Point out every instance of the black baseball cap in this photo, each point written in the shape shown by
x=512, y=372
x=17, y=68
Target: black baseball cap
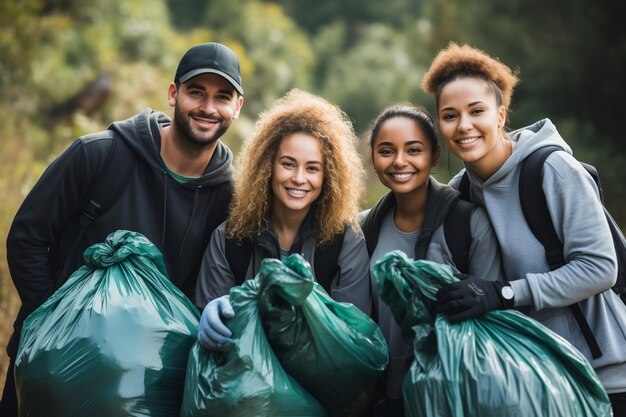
x=213, y=58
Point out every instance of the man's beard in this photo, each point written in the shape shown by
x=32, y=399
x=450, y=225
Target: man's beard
x=194, y=138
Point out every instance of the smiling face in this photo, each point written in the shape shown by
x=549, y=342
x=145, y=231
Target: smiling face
x=470, y=120
x=403, y=155
x=297, y=174
x=204, y=108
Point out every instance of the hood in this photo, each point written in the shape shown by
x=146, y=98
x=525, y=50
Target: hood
x=525, y=141
x=142, y=134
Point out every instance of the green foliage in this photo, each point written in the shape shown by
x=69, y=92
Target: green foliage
x=18, y=172
x=18, y=47
x=279, y=52
x=354, y=14
x=374, y=73
x=185, y=15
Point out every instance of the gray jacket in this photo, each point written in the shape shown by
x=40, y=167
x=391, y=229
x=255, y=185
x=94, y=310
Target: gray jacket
x=350, y=285
x=590, y=268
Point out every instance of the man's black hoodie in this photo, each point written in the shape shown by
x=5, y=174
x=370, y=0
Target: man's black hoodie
x=45, y=243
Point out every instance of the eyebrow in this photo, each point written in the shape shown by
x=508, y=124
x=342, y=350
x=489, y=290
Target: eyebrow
x=473, y=103
x=194, y=85
x=291, y=158
x=226, y=90
x=410, y=142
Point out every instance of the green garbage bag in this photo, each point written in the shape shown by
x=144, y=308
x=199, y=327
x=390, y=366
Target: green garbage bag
x=245, y=378
x=334, y=350
x=112, y=341
x=502, y=363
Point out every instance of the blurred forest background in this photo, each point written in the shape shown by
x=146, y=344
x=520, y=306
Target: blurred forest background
x=68, y=67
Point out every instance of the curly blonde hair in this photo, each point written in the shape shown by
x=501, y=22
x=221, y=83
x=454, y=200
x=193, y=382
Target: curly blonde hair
x=298, y=112
x=457, y=61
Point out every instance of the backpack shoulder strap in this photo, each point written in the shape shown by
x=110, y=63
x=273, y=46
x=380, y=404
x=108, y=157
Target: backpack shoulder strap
x=537, y=215
x=371, y=224
x=112, y=178
x=596, y=178
x=238, y=254
x=457, y=230
x=620, y=251
x=535, y=207
x=464, y=187
x=326, y=264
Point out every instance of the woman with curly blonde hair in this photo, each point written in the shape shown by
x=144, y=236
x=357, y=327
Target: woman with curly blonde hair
x=569, y=291
x=297, y=188
x=298, y=112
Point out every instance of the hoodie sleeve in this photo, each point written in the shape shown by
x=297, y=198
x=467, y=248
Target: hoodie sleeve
x=352, y=284
x=58, y=196
x=579, y=220
x=215, y=277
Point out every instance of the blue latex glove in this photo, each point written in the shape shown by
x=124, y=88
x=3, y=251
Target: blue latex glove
x=212, y=332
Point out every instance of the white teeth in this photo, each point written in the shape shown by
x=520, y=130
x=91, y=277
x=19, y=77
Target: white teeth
x=468, y=140
x=296, y=192
x=402, y=176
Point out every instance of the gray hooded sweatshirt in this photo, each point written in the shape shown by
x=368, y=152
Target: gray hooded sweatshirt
x=590, y=270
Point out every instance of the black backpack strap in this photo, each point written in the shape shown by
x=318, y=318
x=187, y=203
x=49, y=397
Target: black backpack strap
x=111, y=181
x=537, y=215
x=620, y=250
x=457, y=230
x=371, y=224
x=464, y=187
x=596, y=178
x=326, y=263
x=238, y=254
x=535, y=207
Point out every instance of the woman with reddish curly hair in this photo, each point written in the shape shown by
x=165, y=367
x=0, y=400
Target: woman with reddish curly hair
x=297, y=188
x=473, y=92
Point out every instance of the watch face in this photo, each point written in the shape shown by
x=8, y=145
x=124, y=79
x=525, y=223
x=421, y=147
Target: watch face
x=507, y=292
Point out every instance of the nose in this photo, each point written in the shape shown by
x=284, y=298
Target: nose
x=464, y=123
x=400, y=159
x=298, y=176
x=208, y=106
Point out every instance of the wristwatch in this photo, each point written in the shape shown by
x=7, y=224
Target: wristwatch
x=508, y=295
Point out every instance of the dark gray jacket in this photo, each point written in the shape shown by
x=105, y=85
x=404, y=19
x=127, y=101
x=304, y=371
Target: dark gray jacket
x=351, y=283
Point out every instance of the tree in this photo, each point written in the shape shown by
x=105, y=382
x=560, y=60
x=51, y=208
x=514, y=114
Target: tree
x=374, y=73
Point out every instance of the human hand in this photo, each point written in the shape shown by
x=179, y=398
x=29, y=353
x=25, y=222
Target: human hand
x=212, y=332
x=472, y=297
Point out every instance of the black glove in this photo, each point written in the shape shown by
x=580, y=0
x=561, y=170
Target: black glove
x=472, y=297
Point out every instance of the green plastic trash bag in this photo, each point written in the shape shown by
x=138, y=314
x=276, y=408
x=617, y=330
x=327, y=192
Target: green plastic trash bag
x=334, y=350
x=501, y=364
x=112, y=341
x=245, y=378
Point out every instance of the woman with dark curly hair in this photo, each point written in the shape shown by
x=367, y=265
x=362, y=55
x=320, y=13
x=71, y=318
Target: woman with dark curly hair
x=473, y=92
x=297, y=188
